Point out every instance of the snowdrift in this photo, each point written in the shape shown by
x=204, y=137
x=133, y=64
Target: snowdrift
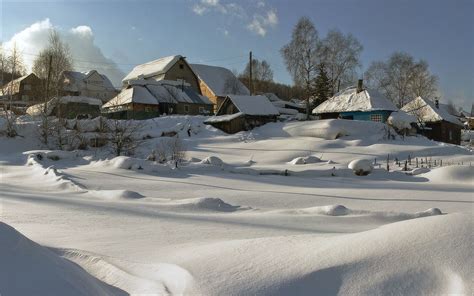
x=452, y=174
x=29, y=269
x=367, y=263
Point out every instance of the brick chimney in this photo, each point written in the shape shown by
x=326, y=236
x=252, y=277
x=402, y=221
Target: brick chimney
x=360, y=85
x=437, y=103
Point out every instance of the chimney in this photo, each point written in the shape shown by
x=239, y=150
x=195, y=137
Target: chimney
x=437, y=104
x=360, y=85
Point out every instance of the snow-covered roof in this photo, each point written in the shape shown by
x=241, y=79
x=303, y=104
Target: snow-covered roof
x=223, y=118
x=37, y=109
x=220, y=80
x=153, y=68
x=279, y=103
x=156, y=92
x=134, y=94
x=427, y=111
x=253, y=105
x=349, y=100
x=17, y=80
x=77, y=80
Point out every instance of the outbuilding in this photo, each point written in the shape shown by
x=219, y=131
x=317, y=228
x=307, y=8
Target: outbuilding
x=243, y=113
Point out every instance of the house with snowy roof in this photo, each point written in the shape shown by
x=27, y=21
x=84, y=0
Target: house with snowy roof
x=69, y=107
x=243, y=113
x=218, y=82
x=144, y=99
x=285, y=107
x=435, y=121
x=23, y=91
x=88, y=84
x=356, y=103
x=171, y=68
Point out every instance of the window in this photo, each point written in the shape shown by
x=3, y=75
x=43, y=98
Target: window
x=450, y=135
x=24, y=98
x=27, y=87
x=376, y=117
x=186, y=108
x=181, y=66
x=147, y=109
x=202, y=110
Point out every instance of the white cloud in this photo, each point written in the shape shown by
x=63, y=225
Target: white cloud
x=263, y=19
x=85, y=53
x=261, y=23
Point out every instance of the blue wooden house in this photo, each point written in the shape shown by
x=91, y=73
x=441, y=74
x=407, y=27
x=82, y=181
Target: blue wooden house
x=356, y=103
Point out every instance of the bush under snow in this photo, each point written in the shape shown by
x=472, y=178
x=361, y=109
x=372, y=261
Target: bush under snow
x=361, y=167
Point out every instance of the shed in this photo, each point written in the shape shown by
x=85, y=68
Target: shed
x=68, y=107
x=242, y=113
x=356, y=103
x=435, y=121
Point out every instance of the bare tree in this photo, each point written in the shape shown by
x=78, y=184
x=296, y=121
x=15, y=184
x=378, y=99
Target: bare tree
x=61, y=57
x=262, y=75
x=170, y=149
x=401, y=78
x=340, y=55
x=302, y=57
x=124, y=136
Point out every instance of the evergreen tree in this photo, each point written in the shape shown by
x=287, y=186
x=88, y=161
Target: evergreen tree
x=322, y=86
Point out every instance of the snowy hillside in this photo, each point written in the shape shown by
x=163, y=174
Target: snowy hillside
x=274, y=211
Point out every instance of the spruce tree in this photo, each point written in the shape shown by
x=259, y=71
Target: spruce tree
x=322, y=86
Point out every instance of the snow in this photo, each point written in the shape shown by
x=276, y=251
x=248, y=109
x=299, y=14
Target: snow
x=305, y=160
x=361, y=167
x=401, y=120
x=220, y=80
x=349, y=100
x=245, y=221
x=38, y=109
x=427, y=112
x=134, y=94
x=152, y=68
x=224, y=118
x=30, y=269
x=253, y=105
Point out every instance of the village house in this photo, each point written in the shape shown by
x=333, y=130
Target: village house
x=144, y=99
x=218, y=82
x=69, y=107
x=22, y=92
x=172, y=68
x=435, y=121
x=285, y=107
x=243, y=113
x=89, y=84
x=356, y=103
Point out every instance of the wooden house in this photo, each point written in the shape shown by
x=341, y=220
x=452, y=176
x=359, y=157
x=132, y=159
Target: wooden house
x=68, y=107
x=243, y=113
x=435, y=121
x=356, y=103
x=144, y=99
x=218, y=82
x=89, y=84
x=171, y=68
x=22, y=92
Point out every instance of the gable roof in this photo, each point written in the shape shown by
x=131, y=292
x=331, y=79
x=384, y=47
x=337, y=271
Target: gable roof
x=252, y=105
x=427, y=111
x=17, y=80
x=349, y=100
x=135, y=94
x=77, y=80
x=153, y=68
x=220, y=80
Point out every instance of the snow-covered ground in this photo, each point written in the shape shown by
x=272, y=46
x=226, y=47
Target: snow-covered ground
x=275, y=211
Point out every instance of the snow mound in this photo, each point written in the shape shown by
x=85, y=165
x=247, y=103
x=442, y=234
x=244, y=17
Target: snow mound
x=401, y=120
x=116, y=194
x=305, y=160
x=331, y=129
x=205, y=203
x=30, y=269
x=212, y=160
x=452, y=174
x=429, y=212
x=361, y=167
x=419, y=171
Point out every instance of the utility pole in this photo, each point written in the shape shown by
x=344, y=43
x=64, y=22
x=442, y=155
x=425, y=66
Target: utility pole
x=250, y=72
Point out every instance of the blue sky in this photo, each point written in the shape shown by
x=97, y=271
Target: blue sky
x=222, y=32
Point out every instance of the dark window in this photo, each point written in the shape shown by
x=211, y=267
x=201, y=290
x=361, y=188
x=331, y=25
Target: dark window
x=186, y=108
x=181, y=66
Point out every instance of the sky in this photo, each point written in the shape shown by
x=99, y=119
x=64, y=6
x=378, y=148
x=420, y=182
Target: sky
x=112, y=36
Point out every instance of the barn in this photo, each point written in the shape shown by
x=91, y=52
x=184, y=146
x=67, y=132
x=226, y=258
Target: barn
x=435, y=121
x=243, y=113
